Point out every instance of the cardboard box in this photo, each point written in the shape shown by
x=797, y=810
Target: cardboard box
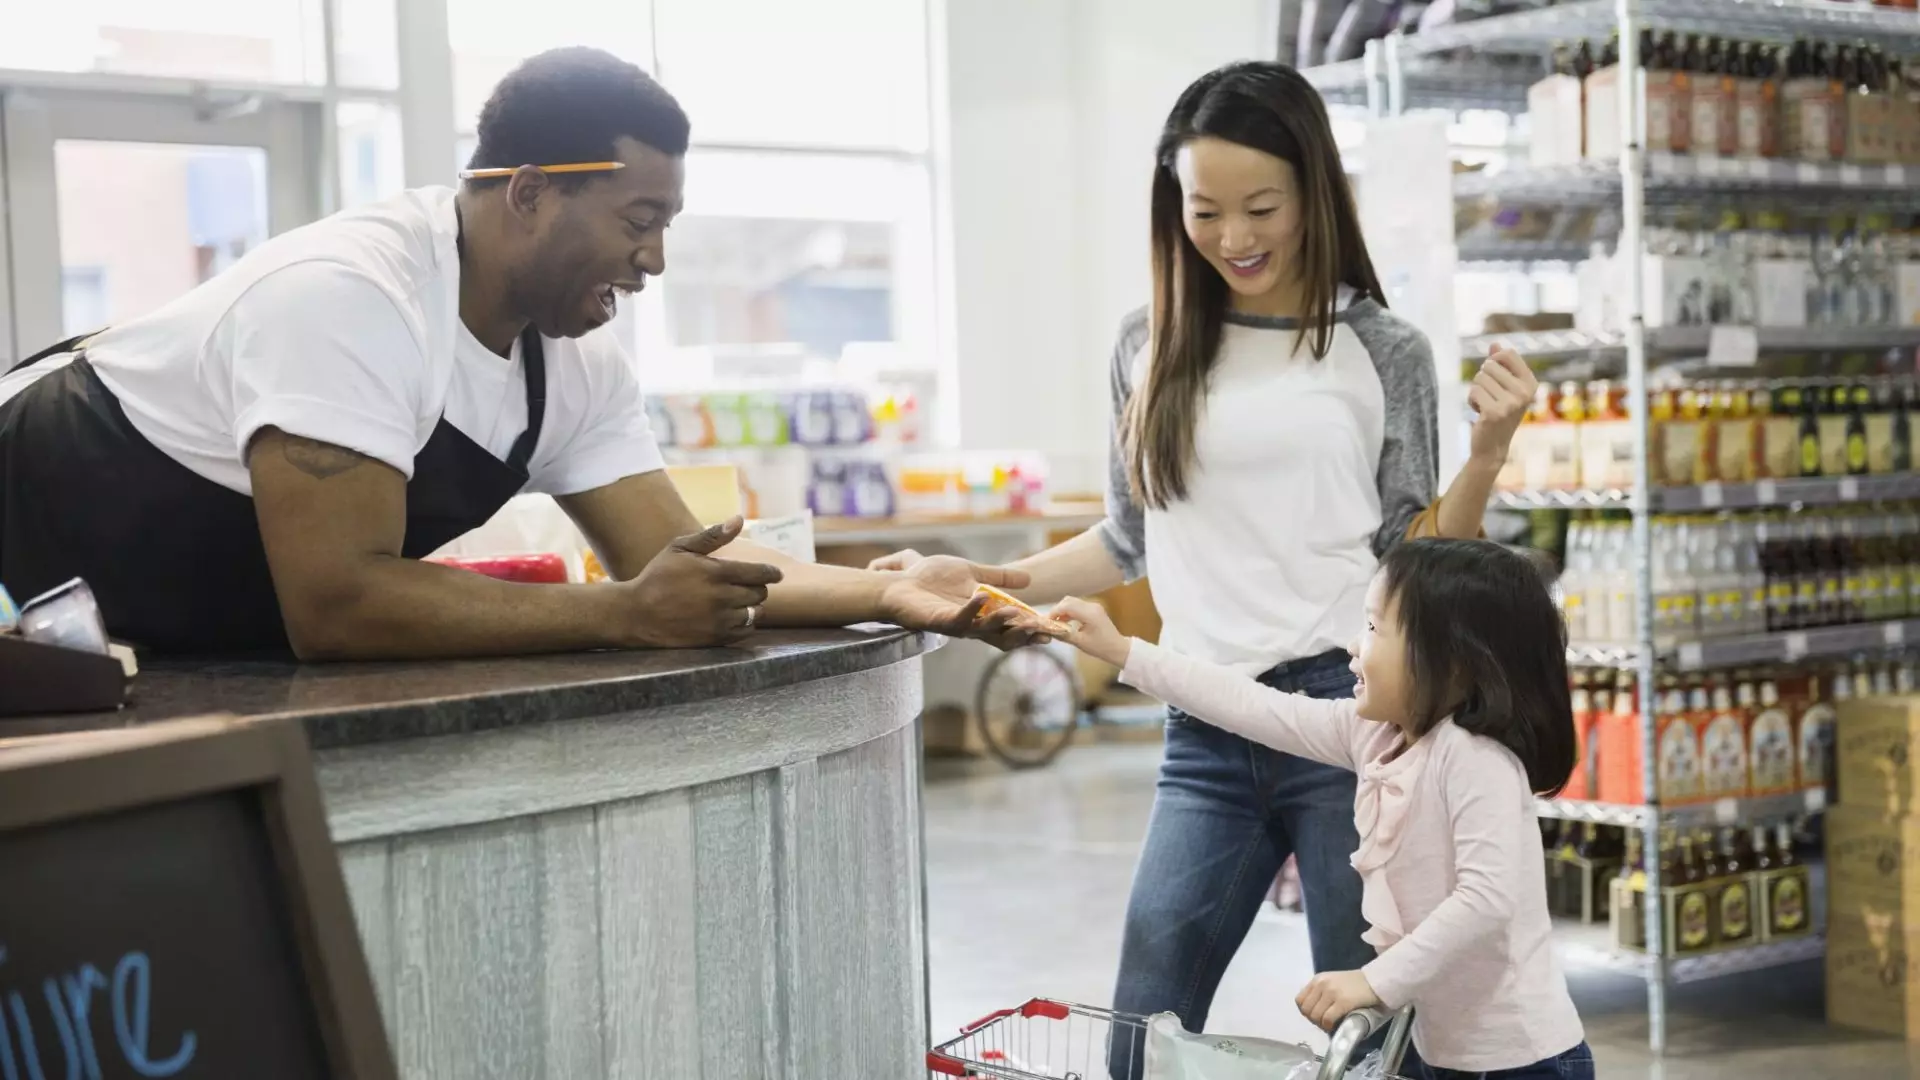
x=1869, y=853
x=1875, y=743
x=1556, y=113
x=1873, y=977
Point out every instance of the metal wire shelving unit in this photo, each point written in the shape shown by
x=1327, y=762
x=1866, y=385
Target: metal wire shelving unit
x=1488, y=64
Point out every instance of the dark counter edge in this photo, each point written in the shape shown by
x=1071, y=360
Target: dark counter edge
x=363, y=704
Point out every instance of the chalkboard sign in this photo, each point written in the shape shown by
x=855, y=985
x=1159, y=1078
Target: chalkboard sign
x=171, y=906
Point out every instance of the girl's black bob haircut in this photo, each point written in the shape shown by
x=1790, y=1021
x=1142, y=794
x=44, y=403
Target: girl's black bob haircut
x=1485, y=645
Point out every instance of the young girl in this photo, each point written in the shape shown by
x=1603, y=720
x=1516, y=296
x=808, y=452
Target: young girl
x=1459, y=717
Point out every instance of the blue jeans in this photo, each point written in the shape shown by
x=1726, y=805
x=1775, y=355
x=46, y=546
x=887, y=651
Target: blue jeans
x=1575, y=1064
x=1226, y=814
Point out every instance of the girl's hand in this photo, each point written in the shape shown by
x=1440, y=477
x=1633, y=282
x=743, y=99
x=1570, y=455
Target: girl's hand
x=1501, y=394
x=1332, y=995
x=1087, y=627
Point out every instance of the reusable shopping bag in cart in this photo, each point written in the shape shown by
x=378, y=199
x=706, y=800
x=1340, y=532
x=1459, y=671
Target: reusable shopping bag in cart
x=1174, y=1053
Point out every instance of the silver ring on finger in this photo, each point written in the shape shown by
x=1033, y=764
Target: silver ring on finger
x=753, y=615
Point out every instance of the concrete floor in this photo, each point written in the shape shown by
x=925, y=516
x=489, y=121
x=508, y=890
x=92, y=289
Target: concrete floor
x=1028, y=876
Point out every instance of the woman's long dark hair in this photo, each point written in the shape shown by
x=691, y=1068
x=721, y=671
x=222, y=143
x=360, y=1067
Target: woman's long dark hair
x=1486, y=645
x=1268, y=107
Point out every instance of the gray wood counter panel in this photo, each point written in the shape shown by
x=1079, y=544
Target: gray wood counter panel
x=727, y=889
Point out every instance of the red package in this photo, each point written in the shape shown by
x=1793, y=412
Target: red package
x=545, y=569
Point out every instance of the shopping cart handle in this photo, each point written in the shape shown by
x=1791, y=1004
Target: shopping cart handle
x=1355, y=1028
x=1052, y=1010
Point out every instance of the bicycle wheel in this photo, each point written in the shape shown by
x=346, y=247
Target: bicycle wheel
x=1028, y=706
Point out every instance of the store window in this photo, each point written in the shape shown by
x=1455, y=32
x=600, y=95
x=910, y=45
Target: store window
x=806, y=249
x=490, y=38
x=265, y=41
x=371, y=152
x=794, y=264
x=841, y=73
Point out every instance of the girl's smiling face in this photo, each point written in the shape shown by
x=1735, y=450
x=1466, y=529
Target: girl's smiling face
x=1380, y=661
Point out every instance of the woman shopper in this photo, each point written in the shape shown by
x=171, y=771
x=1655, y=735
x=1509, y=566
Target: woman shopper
x=1275, y=433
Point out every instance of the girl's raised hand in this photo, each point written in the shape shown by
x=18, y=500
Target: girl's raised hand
x=1086, y=626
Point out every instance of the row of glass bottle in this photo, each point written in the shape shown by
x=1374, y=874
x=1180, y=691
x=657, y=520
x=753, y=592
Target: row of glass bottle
x=1851, y=275
x=1742, y=574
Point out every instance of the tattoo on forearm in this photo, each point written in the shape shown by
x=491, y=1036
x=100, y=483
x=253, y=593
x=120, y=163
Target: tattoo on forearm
x=319, y=460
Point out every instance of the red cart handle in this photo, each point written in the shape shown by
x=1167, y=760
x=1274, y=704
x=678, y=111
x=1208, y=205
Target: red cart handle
x=1052, y=1010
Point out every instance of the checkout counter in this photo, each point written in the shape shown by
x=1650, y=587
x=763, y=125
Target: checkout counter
x=677, y=864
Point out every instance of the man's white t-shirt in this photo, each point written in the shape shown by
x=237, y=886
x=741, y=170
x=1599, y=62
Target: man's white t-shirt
x=348, y=331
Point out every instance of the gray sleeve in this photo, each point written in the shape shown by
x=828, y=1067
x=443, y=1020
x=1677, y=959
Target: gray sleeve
x=1410, y=452
x=1124, y=532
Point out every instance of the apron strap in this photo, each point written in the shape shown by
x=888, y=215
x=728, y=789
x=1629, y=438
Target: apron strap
x=66, y=346
x=533, y=357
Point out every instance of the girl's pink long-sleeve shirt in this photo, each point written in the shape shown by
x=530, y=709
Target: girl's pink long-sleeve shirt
x=1450, y=860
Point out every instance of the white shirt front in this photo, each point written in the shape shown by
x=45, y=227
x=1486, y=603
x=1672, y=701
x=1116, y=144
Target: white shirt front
x=348, y=331
x=1270, y=553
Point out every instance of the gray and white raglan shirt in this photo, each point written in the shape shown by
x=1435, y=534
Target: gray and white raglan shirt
x=1307, y=472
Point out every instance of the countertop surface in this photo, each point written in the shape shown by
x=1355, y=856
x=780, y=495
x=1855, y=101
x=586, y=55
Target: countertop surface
x=362, y=703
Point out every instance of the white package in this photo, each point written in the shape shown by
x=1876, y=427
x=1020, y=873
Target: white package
x=1174, y=1053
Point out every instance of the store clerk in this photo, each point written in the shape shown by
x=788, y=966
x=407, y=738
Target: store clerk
x=264, y=461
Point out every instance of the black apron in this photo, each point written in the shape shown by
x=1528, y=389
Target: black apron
x=174, y=559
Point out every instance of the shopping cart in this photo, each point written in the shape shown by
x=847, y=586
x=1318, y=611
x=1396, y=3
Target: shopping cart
x=1054, y=1040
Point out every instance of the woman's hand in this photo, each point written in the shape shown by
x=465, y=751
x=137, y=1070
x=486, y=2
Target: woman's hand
x=1501, y=394
x=1086, y=626
x=1332, y=995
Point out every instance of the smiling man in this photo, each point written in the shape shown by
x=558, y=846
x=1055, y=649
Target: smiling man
x=264, y=461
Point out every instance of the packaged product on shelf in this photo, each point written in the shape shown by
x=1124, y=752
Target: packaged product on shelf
x=1889, y=431
x=1723, y=747
x=1785, y=890
x=1813, y=728
x=811, y=418
x=1780, y=432
x=1579, y=783
x=1771, y=745
x=1756, y=95
x=1551, y=446
x=1690, y=903
x=689, y=421
x=1667, y=112
x=1738, y=438
x=1556, y=113
x=1733, y=901
x=1677, y=745
x=1712, y=124
x=767, y=423
x=1619, y=753
x=1606, y=438
x=1813, y=109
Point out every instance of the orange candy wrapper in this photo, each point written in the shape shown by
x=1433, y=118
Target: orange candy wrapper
x=999, y=598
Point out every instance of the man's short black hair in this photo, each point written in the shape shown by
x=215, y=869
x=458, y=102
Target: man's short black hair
x=568, y=105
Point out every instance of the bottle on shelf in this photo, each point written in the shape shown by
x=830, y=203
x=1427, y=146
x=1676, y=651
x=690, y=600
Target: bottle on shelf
x=1733, y=915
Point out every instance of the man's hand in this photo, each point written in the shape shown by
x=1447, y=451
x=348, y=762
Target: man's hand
x=1332, y=995
x=1501, y=394
x=685, y=598
x=905, y=559
x=1086, y=626
x=937, y=594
